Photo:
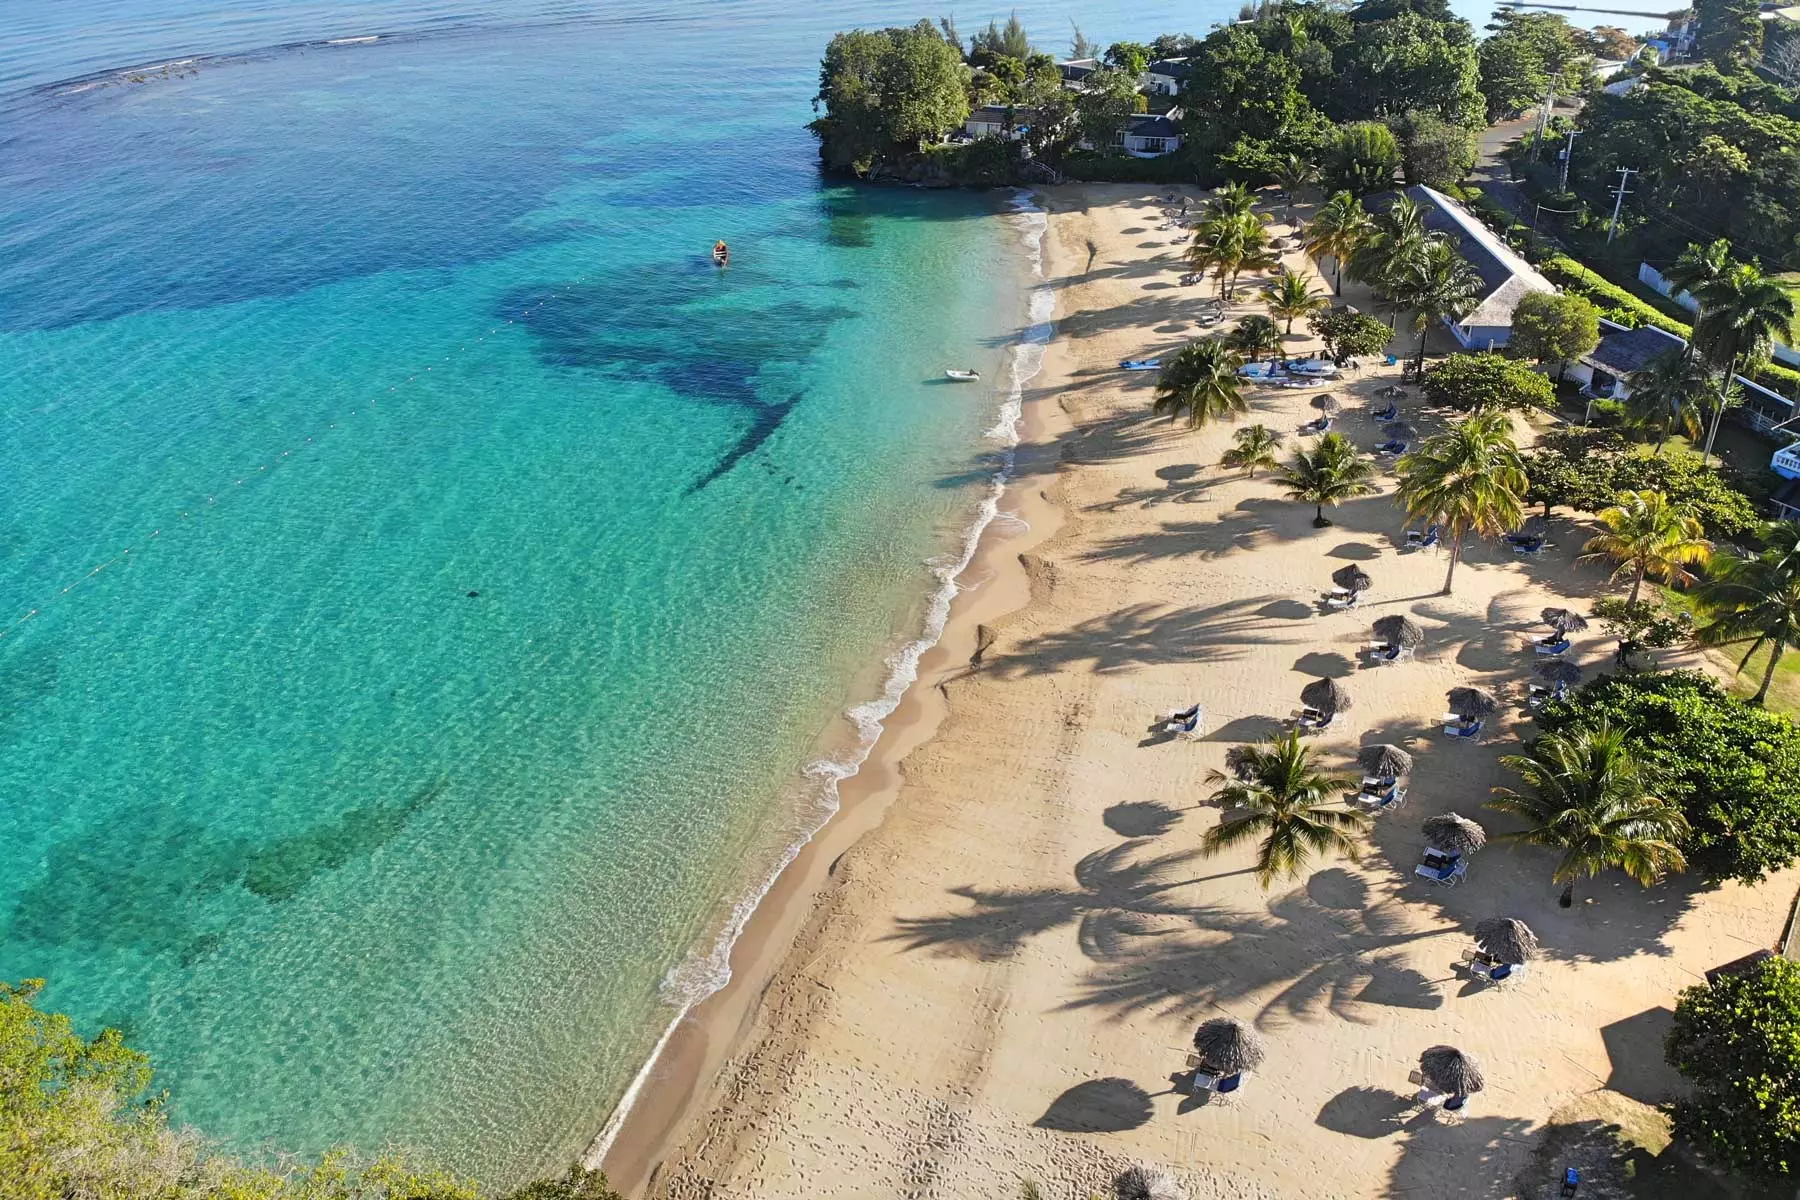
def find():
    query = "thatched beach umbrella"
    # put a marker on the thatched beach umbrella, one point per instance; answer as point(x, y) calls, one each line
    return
point(1557, 670)
point(1447, 1069)
point(1453, 833)
point(1145, 1182)
point(1326, 695)
point(1384, 761)
point(1325, 402)
point(1228, 1046)
point(1564, 621)
point(1352, 577)
point(1506, 940)
point(1400, 630)
point(1473, 703)
point(1399, 429)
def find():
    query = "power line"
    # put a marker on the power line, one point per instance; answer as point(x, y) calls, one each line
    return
point(1625, 174)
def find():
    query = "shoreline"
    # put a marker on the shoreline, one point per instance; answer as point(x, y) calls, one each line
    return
point(986, 581)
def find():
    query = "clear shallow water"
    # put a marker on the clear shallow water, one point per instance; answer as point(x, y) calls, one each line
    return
point(304, 347)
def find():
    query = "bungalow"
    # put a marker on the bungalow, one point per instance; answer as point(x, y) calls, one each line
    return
point(1167, 76)
point(1075, 72)
point(1151, 135)
point(998, 120)
point(1506, 278)
point(1606, 371)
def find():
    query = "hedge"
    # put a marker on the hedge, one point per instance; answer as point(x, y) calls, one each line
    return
point(1122, 168)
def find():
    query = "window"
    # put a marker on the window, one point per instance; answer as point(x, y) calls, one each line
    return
point(1155, 145)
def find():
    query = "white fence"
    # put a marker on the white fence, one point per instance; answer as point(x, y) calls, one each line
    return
point(1650, 276)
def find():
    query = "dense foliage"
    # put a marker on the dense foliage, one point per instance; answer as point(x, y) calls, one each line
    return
point(886, 93)
point(77, 1120)
point(1732, 768)
point(1520, 54)
point(1586, 470)
point(1348, 333)
point(1737, 1040)
point(1472, 381)
point(1554, 328)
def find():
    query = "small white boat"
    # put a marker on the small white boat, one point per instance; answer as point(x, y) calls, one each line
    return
point(962, 376)
point(1141, 364)
point(1318, 368)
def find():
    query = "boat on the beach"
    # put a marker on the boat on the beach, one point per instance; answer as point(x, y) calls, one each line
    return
point(1318, 368)
point(969, 375)
point(1141, 364)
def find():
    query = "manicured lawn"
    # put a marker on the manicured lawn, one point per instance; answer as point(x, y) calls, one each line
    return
point(1784, 690)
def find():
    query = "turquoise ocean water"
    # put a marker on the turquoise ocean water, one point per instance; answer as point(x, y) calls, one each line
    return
point(434, 597)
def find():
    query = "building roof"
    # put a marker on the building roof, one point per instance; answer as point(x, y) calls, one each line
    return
point(1623, 351)
point(1162, 125)
point(1077, 69)
point(1174, 68)
point(995, 114)
point(1506, 277)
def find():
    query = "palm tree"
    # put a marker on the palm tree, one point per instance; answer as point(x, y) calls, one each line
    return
point(1203, 379)
point(1293, 297)
point(1587, 800)
point(1756, 599)
point(1395, 252)
point(1252, 446)
point(1286, 801)
point(1293, 173)
point(1329, 471)
point(1439, 285)
point(1666, 395)
point(1468, 479)
point(1741, 313)
point(1648, 535)
point(1338, 229)
point(1232, 200)
point(1697, 267)
point(1254, 336)
point(1228, 242)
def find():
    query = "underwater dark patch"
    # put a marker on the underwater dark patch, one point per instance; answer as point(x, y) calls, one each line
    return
point(281, 869)
point(762, 428)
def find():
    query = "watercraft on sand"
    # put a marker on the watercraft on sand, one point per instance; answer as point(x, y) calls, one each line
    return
point(1141, 364)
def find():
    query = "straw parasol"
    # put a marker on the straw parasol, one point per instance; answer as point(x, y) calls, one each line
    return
point(1453, 833)
point(1325, 402)
point(1237, 761)
point(1400, 630)
point(1399, 429)
point(1564, 621)
point(1472, 703)
point(1506, 939)
point(1387, 762)
point(1145, 1182)
point(1559, 671)
point(1326, 695)
point(1352, 577)
point(1447, 1069)
point(1228, 1046)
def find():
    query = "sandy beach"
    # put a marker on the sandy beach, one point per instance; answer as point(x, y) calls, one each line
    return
point(990, 969)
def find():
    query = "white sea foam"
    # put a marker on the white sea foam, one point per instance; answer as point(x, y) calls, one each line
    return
point(705, 972)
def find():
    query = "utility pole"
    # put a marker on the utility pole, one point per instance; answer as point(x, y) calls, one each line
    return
point(1568, 154)
point(1625, 174)
point(1544, 116)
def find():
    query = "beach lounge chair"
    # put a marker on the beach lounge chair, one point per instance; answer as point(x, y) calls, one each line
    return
point(1448, 875)
point(1344, 603)
point(1571, 1182)
point(1380, 802)
point(1423, 541)
point(1186, 721)
point(1311, 719)
point(1552, 646)
point(1494, 972)
point(1541, 695)
point(1389, 413)
point(1231, 1083)
point(1381, 652)
point(1395, 448)
point(1458, 728)
point(1318, 426)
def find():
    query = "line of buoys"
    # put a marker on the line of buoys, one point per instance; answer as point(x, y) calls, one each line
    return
point(213, 499)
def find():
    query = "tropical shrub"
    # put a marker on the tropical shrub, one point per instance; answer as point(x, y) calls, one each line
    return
point(1348, 334)
point(1733, 769)
point(1472, 381)
point(1737, 1040)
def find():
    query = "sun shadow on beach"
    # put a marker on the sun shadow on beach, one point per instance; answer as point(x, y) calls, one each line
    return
point(1138, 635)
point(1140, 819)
point(1365, 1112)
point(1098, 1106)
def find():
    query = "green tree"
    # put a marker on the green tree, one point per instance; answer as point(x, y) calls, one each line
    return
point(1732, 768)
point(1107, 99)
point(1201, 379)
point(1293, 297)
point(1244, 92)
point(1487, 381)
point(1394, 252)
point(1741, 313)
point(1755, 598)
point(1362, 158)
point(1434, 152)
point(1328, 472)
point(1281, 797)
point(1081, 47)
point(1439, 286)
point(1666, 397)
point(1641, 625)
point(1338, 230)
point(1731, 31)
point(1555, 327)
point(1468, 479)
point(1586, 798)
point(1252, 447)
point(1231, 243)
point(1649, 536)
point(1348, 333)
point(1517, 60)
point(1255, 336)
point(887, 93)
point(1294, 174)
point(1131, 57)
point(1697, 267)
point(996, 41)
point(1736, 1039)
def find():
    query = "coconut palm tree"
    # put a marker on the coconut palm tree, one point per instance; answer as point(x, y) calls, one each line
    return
point(1255, 336)
point(1756, 599)
point(1338, 229)
point(1203, 379)
point(1439, 285)
point(1252, 446)
point(1586, 798)
point(1697, 267)
point(1295, 808)
point(1329, 471)
point(1232, 200)
point(1469, 479)
point(1292, 174)
point(1648, 535)
point(1666, 395)
point(1395, 252)
point(1231, 243)
point(1293, 297)
point(1742, 312)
